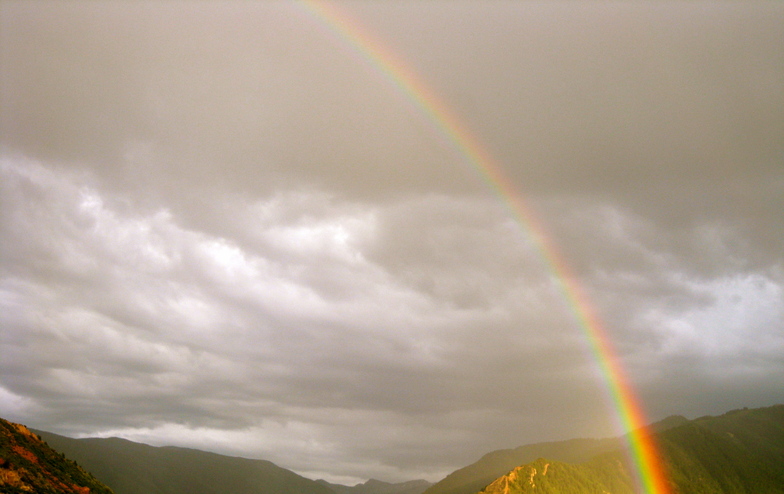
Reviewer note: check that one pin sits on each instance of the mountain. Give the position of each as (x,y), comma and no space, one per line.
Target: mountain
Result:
(28,464)
(134,468)
(542,476)
(472,478)
(669,423)
(739,452)
(373,486)
(491,466)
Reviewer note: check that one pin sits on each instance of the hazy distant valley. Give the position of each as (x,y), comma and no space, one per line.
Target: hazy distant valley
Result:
(741,451)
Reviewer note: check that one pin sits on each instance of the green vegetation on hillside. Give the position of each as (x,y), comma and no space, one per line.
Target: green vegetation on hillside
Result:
(133,468)
(739,452)
(29,465)
(474,477)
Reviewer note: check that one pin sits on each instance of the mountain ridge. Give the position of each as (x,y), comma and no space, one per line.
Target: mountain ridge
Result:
(739,451)
(118,462)
(135,468)
(374,486)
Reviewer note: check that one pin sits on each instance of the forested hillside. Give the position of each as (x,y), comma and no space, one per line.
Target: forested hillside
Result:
(739,452)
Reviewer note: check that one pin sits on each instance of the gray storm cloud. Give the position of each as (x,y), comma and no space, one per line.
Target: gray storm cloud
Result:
(223,228)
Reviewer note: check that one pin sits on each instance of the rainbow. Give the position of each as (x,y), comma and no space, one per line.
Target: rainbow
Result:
(650,474)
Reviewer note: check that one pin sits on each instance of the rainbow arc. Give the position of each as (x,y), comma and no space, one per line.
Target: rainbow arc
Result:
(641,447)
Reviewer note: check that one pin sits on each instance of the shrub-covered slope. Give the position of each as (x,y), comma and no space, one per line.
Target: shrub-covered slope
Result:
(29,465)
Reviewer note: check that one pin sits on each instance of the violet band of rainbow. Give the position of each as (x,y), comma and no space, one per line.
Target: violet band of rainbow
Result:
(650,475)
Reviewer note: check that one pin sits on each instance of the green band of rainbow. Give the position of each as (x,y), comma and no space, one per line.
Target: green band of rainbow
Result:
(642,449)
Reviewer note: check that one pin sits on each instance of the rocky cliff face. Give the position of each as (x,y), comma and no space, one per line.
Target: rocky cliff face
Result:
(515,480)
(546,476)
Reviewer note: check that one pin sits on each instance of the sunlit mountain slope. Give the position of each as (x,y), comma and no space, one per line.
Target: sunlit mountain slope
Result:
(741,451)
(29,465)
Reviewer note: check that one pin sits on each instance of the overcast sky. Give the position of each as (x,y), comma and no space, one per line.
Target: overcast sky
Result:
(224,228)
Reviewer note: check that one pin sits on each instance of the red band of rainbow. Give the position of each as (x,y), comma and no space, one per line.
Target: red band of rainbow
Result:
(642,449)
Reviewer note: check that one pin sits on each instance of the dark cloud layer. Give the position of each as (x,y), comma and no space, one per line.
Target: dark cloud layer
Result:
(223,228)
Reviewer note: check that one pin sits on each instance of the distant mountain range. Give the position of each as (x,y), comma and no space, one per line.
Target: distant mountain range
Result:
(373,486)
(739,452)
(134,468)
